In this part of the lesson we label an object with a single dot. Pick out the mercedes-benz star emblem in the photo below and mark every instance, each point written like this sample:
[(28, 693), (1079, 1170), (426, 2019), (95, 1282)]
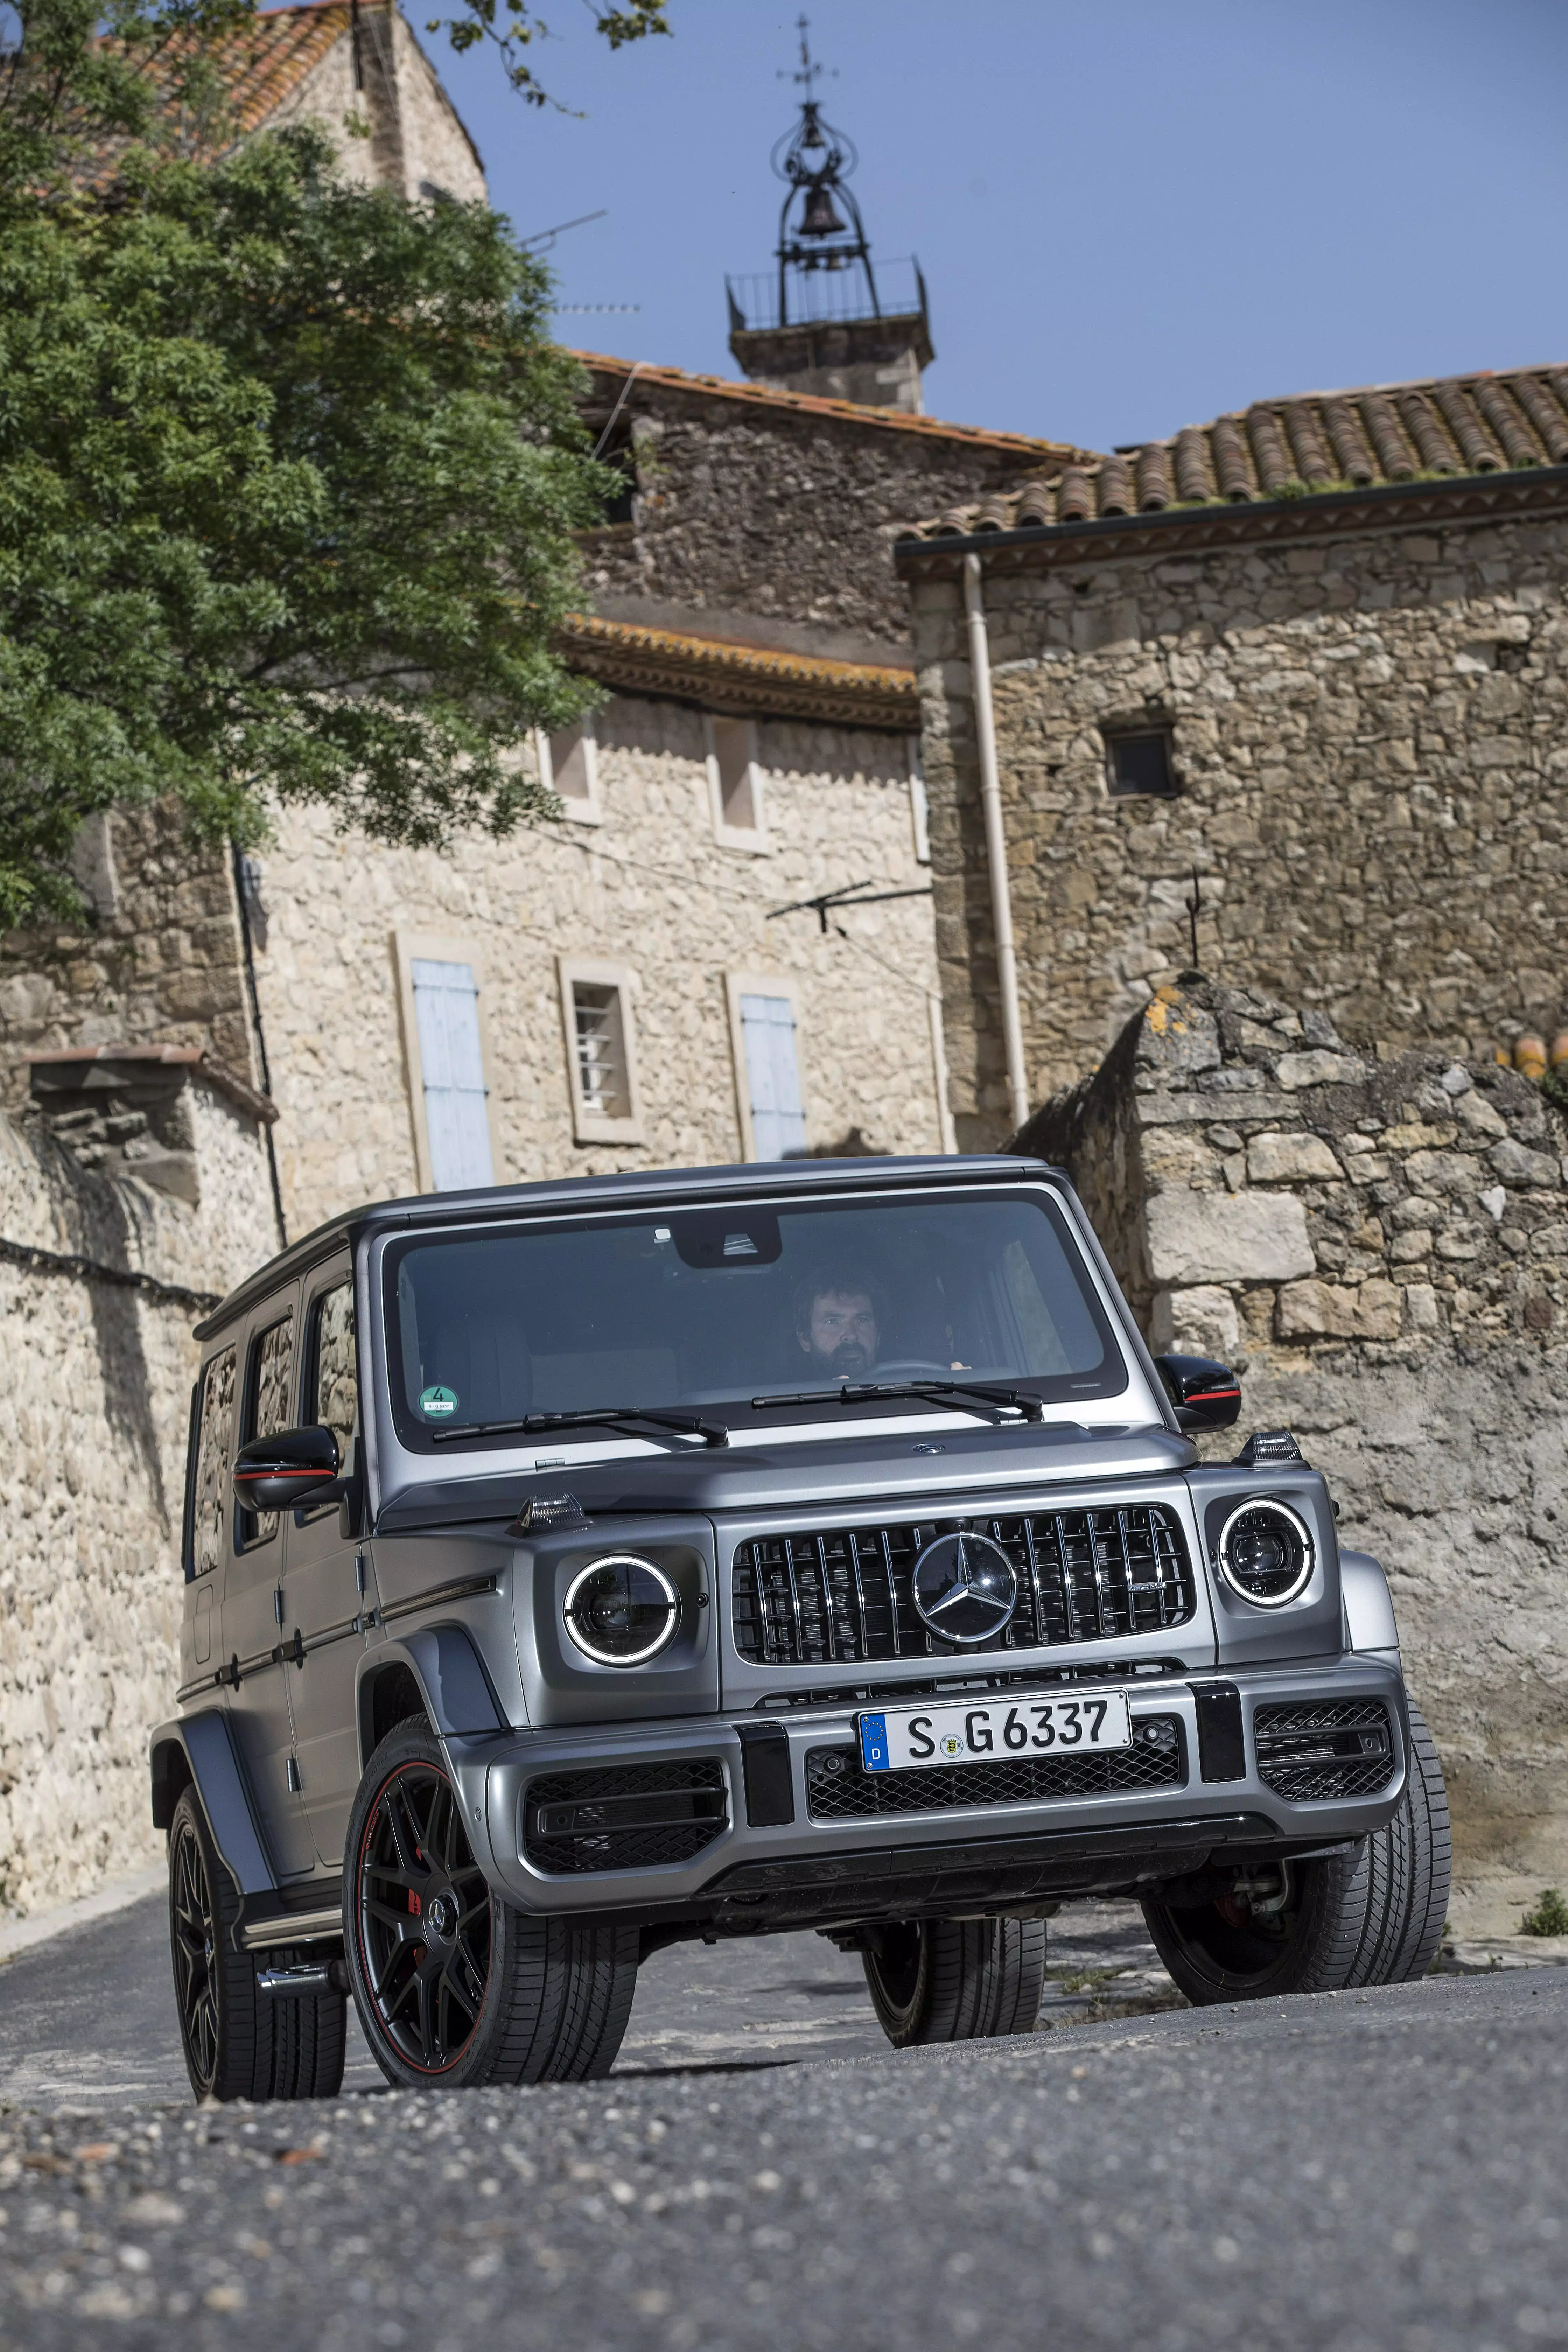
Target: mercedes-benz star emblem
[(965, 1588)]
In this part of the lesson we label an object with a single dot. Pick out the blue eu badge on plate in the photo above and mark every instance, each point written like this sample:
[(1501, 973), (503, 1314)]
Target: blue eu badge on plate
[(874, 1743)]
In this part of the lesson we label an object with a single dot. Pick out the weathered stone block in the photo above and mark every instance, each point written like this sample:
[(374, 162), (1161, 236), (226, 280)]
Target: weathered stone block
[(1202, 1321), (1202, 1237), (1291, 1159), (1523, 1169)]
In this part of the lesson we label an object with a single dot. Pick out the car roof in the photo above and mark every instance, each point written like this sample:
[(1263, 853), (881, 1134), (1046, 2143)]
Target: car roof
[(629, 1189)]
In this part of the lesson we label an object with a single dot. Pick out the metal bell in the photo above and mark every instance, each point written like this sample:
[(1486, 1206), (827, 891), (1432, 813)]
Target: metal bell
[(820, 219)]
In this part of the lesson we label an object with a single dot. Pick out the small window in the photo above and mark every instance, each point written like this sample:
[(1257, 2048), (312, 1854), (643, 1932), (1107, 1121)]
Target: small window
[(1142, 763), (919, 807), (569, 767), (451, 1073), (212, 1458), (596, 1003), (771, 1075), (735, 783), (334, 1377), (266, 1409)]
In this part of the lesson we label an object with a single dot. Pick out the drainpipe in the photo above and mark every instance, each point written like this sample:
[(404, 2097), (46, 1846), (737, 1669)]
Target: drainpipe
[(996, 842)]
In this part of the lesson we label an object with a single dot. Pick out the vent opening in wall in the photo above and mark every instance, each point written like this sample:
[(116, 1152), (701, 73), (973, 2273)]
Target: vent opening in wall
[(732, 768), (569, 767), (601, 1033), (1142, 764)]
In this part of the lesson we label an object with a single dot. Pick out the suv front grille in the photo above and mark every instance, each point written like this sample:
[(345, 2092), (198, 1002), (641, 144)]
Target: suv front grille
[(837, 1790), (626, 1817), (843, 1596), (1315, 1749)]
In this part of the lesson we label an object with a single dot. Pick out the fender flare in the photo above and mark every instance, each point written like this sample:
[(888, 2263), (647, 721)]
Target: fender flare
[(199, 1750), (460, 1697), (1369, 1623)]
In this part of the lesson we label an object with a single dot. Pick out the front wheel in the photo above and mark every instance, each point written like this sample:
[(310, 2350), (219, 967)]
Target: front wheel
[(453, 1985), (955, 1980), (1298, 1932)]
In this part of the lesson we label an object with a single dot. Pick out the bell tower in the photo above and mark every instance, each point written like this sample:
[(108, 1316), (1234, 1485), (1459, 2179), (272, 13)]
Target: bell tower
[(822, 322)]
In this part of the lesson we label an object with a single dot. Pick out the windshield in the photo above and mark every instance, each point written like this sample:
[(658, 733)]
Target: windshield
[(740, 1310)]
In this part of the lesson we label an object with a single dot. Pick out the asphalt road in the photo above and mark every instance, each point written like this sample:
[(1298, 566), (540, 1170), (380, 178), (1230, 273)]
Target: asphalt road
[(88, 2020), (1381, 2169)]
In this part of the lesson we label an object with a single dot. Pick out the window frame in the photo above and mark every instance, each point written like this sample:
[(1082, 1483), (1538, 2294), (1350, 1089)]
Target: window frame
[(1160, 732), (410, 948), (738, 984), (193, 1572), (590, 1125), (751, 838), (590, 810)]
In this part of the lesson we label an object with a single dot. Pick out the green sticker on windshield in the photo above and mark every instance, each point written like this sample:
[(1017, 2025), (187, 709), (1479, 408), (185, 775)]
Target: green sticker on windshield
[(438, 1402)]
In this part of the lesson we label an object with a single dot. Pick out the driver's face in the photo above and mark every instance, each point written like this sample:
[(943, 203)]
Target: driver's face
[(843, 1332)]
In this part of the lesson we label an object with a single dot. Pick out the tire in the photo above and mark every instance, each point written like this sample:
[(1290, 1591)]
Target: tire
[(1216, 1951), (1412, 1863), (239, 2043), (477, 1991), (955, 1980)]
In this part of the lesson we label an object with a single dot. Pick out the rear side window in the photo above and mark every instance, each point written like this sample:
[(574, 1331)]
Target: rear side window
[(212, 1456), (335, 1380), (267, 1408)]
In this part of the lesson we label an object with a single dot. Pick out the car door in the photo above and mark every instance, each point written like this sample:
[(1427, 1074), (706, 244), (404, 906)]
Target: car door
[(258, 1698), (324, 1575)]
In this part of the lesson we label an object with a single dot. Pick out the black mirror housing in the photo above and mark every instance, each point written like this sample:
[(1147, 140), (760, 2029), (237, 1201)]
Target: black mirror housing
[(1206, 1394), (292, 1466)]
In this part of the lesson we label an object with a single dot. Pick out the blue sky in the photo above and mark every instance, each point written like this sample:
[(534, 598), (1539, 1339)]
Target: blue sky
[(1130, 215)]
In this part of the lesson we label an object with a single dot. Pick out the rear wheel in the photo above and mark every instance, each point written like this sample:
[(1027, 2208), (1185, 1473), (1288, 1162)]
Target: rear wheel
[(955, 1980), (453, 1985), (1295, 1930), (239, 2043)]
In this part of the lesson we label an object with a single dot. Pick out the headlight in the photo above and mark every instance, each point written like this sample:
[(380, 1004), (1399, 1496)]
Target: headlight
[(1265, 1553), (621, 1611)]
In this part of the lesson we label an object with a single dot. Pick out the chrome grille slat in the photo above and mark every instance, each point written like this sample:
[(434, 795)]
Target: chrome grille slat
[(841, 1595)]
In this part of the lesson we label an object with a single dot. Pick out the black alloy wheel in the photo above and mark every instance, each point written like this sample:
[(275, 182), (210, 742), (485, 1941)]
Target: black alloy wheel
[(194, 1948), (424, 1918), (1231, 1948)]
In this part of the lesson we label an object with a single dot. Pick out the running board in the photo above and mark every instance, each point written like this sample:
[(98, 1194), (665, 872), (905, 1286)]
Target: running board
[(293, 1927)]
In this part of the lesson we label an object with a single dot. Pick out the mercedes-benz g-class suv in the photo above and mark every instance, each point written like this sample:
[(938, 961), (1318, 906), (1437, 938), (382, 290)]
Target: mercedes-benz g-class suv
[(574, 1568)]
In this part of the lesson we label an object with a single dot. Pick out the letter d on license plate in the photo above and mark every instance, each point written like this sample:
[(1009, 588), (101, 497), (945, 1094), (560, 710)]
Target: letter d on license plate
[(907, 1739)]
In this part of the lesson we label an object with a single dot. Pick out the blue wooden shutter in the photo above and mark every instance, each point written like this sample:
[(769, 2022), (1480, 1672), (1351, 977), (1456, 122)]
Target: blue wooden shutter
[(447, 1008), (773, 1077)]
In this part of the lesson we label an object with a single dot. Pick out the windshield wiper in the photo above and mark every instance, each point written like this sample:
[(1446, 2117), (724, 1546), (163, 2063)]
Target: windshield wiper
[(608, 1416), (867, 1391)]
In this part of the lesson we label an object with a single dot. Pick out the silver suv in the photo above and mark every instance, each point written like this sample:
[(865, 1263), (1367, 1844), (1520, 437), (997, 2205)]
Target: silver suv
[(576, 1568)]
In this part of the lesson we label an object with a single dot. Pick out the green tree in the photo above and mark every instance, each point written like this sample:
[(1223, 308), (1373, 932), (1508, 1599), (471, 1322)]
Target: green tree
[(289, 471)]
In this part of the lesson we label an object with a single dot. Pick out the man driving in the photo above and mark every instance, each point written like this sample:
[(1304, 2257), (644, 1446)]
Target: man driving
[(835, 1316)]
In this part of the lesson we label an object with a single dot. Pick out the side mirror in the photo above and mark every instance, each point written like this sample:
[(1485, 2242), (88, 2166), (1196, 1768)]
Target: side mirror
[(290, 1467), (1207, 1395)]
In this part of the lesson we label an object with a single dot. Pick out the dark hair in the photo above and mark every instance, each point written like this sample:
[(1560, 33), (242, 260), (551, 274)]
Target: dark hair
[(834, 1278)]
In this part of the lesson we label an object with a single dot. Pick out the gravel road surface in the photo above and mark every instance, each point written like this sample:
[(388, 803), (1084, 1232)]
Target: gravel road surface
[(1384, 2169)]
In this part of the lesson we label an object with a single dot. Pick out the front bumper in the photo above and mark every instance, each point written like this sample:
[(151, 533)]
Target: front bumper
[(1193, 1786)]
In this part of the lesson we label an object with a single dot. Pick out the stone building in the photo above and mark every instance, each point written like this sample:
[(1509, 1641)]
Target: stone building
[(1315, 651)]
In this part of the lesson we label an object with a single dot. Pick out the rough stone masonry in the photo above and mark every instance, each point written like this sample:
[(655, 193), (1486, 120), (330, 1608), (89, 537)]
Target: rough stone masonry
[(1381, 1248)]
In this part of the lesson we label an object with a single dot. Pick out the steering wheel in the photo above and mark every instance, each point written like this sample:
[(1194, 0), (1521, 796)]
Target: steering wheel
[(913, 1368)]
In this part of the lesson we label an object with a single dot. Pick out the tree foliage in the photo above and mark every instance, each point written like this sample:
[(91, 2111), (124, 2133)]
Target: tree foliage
[(290, 470)]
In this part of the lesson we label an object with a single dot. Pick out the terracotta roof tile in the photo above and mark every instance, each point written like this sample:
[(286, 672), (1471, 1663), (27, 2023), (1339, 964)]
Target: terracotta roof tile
[(1314, 444)]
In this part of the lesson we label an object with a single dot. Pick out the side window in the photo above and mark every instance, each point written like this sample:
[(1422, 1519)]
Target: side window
[(333, 1396), (266, 1409), (212, 1459)]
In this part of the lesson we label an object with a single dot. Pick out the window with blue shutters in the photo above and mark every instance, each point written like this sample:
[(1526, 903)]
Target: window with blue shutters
[(773, 1077), (452, 1071)]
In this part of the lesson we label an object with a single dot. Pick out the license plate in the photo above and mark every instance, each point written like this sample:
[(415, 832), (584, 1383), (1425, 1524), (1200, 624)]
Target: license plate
[(911, 1739)]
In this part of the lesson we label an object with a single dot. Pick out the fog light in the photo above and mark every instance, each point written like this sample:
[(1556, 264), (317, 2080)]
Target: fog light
[(621, 1611), (1265, 1553)]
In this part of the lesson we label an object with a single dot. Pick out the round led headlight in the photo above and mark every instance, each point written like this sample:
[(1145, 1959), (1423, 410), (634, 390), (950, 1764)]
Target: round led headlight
[(1265, 1553), (621, 1611)]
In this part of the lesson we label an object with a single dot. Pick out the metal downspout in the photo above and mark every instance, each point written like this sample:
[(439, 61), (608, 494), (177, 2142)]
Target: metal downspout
[(996, 842)]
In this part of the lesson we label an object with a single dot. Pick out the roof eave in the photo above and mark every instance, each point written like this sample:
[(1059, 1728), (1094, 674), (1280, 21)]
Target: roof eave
[(1468, 497)]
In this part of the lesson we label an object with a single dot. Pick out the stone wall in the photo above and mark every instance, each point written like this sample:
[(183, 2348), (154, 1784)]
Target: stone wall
[(1381, 1248), (650, 887), (409, 135), (92, 1425), (1369, 738), (777, 516)]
